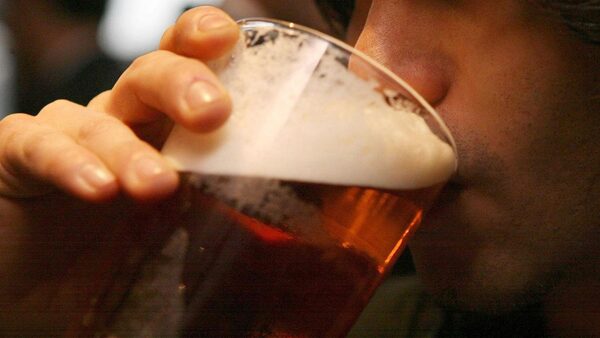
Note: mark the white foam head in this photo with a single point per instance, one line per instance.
(300, 115)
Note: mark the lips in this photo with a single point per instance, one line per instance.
(449, 194)
(443, 209)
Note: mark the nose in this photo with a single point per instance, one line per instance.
(426, 71)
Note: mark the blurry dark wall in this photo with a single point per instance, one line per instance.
(56, 52)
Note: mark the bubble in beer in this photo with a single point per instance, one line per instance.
(300, 114)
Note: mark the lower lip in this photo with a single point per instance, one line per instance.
(449, 194)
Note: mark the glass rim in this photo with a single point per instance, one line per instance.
(372, 62)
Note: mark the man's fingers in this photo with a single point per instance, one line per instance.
(91, 154)
(204, 32)
(141, 171)
(35, 156)
(182, 88)
(83, 152)
(174, 81)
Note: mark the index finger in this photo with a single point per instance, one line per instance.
(204, 32)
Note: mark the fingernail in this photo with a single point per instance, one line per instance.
(202, 93)
(212, 21)
(96, 177)
(147, 168)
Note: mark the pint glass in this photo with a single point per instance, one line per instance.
(291, 214)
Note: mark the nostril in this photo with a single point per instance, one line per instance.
(429, 73)
(429, 70)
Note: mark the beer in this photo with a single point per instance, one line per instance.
(250, 273)
(263, 257)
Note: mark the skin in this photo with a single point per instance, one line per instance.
(519, 91)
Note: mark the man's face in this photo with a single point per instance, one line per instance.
(520, 94)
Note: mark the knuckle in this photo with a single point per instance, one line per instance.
(167, 38)
(143, 71)
(48, 153)
(137, 63)
(12, 130)
(133, 147)
(55, 107)
(147, 60)
(99, 101)
(14, 122)
(174, 71)
(33, 146)
(185, 71)
(167, 66)
(128, 150)
(66, 157)
(98, 128)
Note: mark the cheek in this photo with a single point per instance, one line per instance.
(524, 163)
(526, 135)
(509, 100)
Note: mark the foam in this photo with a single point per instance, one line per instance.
(299, 115)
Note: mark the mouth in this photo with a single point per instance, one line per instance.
(441, 212)
(457, 178)
(447, 196)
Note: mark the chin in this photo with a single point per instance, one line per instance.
(487, 300)
(468, 264)
(477, 279)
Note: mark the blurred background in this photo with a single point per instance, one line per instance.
(74, 49)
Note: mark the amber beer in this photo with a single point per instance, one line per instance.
(296, 259)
